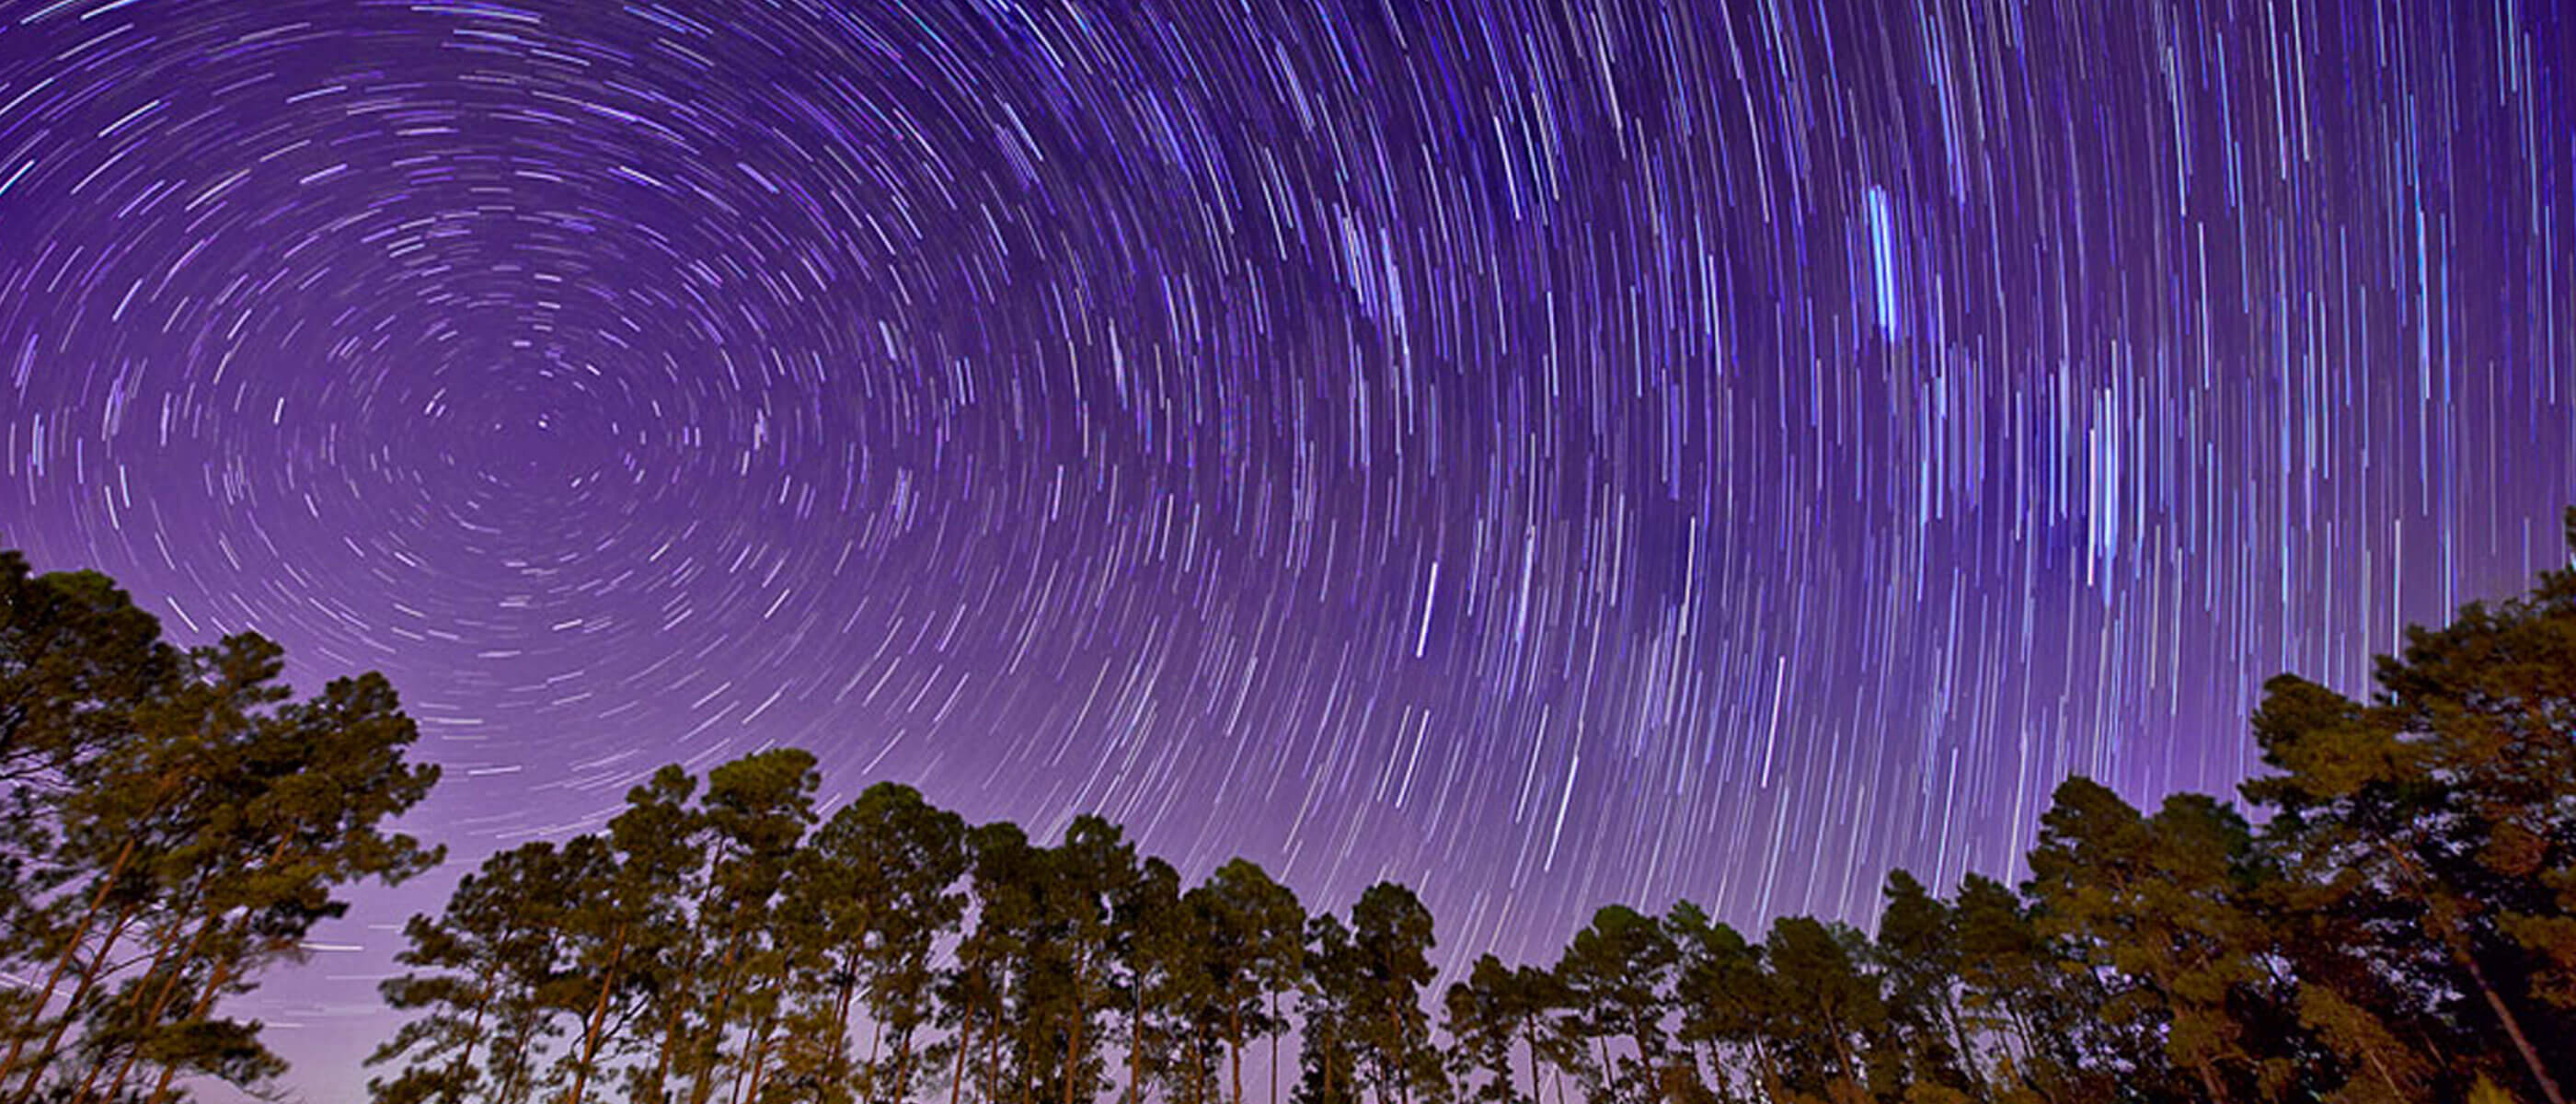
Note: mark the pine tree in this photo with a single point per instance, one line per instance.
(480, 973)
(1485, 1025)
(1614, 976)
(1390, 947)
(1254, 933)
(1917, 952)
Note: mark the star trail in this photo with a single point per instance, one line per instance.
(1547, 453)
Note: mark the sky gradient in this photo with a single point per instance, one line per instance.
(1546, 453)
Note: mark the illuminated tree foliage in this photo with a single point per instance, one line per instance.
(177, 823)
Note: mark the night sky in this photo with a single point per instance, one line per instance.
(1546, 453)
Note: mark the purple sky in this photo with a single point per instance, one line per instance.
(1543, 452)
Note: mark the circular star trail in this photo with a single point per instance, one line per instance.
(1545, 453)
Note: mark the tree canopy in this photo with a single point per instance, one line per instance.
(2389, 916)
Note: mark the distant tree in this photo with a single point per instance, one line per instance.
(1725, 997)
(1254, 934)
(1332, 1002)
(1391, 942)
(2397, 930)
(1089, 873)
(1485, 1023)
(481, 970)
(1614, 976)
(1823, 1005)
(982, 995)
(1162, 977)
(876, 888)
(2159, 902)
(625, 933)
(1917, 953)
(753, 815)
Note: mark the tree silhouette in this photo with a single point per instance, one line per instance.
(2400, 927)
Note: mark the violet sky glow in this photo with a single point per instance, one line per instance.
(1547, 453)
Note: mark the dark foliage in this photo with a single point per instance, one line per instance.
(2396, 922)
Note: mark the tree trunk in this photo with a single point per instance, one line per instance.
(661, 1083)
(1234, 1049)
(1959, 1036)
(473, 1033)
(1396, 1058)
(1073, 1036)
(902, 1087)
(71, 954)
(2446, 928)
(729, 981)
(1201, 1078)
(2209, 1082)
(876, 1047)
(82, 987)
(965, 1039)
(1324, 1057)
(160, 1005)
(224, 972)
(993, 1055)
(1770, 1073)
(1529, 1038)
(836, 1071)
(2512, 1028)
(598, 1015)
(759, 1059)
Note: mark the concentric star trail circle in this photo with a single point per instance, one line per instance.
(1545, 453)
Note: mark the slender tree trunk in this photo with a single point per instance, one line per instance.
(71, 954)
(1276, 1030)
(759, 1059)
(1136, 1045)
(2512, 1027)
(1198, 1067)
(902, 1087)
(1395, 1058)
(82, 987)
(729, 981)
(513, 1087)
(1770, 1073)
(224, 972)
(2021, 1025)
(1326, 1060)
(160, 1006)
(965, 1038)
(837, 1070)
(1028, 1074)
(2209, 1082)
(2456, 941)
(1073, 1036)
(598, 1015)
(1234, 1048)
(661, 1083)
(473, 1035)
(1529, 1039)
(993, 1054)
(1959, 1037)
(876, 1045)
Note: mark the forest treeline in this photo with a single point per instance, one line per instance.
(2395, 921)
